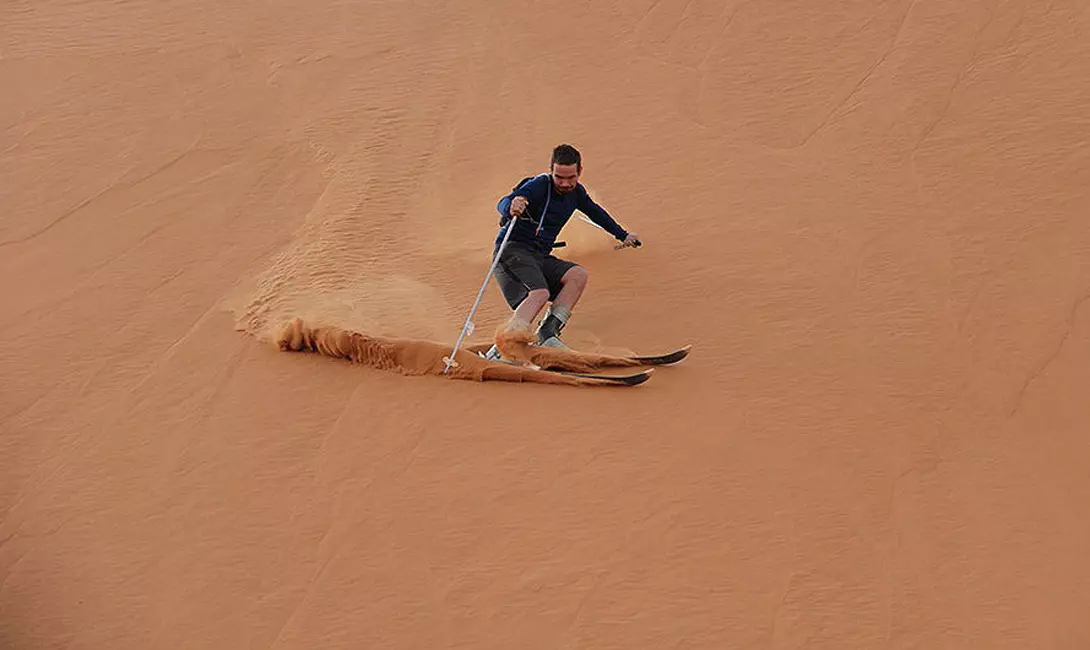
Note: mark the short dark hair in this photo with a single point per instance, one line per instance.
(565, 154)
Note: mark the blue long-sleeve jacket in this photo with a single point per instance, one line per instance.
(538, 191)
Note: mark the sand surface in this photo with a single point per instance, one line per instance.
(870, 219)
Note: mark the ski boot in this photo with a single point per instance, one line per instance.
(548, 333)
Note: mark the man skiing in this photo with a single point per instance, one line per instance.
(527, 272)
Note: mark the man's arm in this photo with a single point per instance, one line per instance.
(599, 216)
(532, 192)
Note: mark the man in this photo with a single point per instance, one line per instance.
(528, 274)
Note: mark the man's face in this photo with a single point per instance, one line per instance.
(565, 177)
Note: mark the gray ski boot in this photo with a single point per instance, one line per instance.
(548, 333)
(493, 354)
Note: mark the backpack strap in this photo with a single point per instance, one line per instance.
(504, 218)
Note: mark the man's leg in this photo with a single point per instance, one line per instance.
(571, 288)
(522, 316)
(573, 280)
(524, 286)
(521, 276)
(528, 309)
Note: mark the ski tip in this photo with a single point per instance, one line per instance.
(665, 359)
(634, 379)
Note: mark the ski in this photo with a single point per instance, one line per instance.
(634, 379)
(664, 359)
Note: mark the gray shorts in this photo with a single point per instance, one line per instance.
(522, 270)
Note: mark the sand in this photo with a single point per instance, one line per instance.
(523, 361)
(869, 218)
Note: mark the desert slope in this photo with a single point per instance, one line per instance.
(869, 218)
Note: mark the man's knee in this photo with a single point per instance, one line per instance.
(538, 296)
(576, 275)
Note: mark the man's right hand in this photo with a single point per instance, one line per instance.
(518, 206)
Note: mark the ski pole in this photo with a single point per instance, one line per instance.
(467, 328)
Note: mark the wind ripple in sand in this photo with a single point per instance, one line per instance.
(327, 273)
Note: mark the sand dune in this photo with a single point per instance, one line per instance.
(868, 217)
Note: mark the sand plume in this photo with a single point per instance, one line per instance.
(410, 357)
(518, 345)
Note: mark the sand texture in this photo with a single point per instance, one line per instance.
(238, 238)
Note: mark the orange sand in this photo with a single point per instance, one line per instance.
(429, 358)
(870, 218)
(518, 345)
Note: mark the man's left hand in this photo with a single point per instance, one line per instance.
(632, 239)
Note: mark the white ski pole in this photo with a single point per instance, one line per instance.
(467, 328)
